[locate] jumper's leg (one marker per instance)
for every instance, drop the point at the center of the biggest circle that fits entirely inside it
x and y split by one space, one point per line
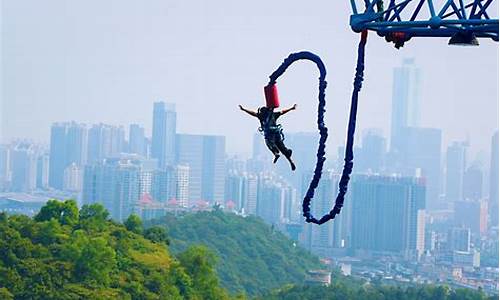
287 152
274 149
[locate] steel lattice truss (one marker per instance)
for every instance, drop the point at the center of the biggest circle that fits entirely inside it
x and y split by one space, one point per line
405 19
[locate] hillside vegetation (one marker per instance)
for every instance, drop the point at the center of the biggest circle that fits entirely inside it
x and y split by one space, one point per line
64 253
254 257
340 290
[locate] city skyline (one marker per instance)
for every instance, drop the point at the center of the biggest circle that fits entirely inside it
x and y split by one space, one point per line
74 145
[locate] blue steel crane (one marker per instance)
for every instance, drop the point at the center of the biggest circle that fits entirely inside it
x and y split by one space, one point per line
402 20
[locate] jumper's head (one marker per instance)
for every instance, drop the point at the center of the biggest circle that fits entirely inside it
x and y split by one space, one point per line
264 110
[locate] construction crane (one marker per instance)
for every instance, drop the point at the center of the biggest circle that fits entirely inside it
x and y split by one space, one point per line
402 20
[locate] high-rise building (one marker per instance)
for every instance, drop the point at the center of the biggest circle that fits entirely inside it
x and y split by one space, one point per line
114 183
259 147
290 205
236 165
76 149
105 141
137 140
23 162
235 188
472 214
182 184
68 144
251 193
58 160
385 214
163 188
164 133
373 152
321 238
421 155
473 183
405 101
42 171
204 155
145 181
270 200
493 205
304 145
459 239
455 169
73 178
420 243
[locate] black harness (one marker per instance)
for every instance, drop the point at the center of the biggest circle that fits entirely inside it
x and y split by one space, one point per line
271 129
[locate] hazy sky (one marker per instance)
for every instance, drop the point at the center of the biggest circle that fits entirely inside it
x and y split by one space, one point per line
108 61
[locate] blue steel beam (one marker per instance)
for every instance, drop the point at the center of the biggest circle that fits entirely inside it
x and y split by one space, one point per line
405 19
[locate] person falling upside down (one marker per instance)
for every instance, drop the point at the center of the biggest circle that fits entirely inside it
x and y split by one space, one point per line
273 134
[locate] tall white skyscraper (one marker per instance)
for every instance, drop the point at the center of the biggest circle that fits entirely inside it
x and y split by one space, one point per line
182 184
251 195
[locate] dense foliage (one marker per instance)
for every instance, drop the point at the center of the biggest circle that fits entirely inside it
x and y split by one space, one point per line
342 291
254 257
64 253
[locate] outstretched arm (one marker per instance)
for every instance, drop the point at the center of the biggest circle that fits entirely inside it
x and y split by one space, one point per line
294 107
248 111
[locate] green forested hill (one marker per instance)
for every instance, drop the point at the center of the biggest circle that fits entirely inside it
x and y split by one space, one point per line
64 253
253 257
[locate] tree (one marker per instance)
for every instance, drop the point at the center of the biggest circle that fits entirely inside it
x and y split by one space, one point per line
69 213
96 261
199 263
51 210
157 234
94 211
93 217
134 224
5 294
65 212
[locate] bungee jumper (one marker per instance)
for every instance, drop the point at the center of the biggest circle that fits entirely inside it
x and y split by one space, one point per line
273 132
